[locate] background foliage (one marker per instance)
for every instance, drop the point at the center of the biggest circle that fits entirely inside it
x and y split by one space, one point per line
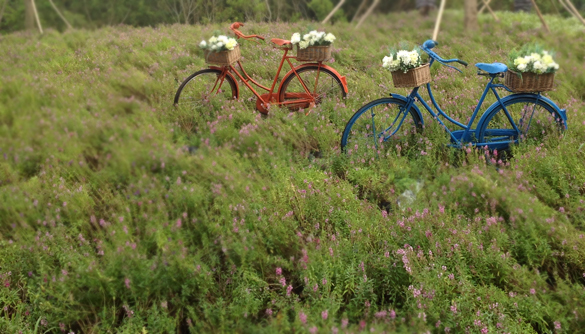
99 13
120 213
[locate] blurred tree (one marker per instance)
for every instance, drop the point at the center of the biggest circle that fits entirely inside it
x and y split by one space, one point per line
183 10
29 15
3 9
424 6
96 13
470 7
522 5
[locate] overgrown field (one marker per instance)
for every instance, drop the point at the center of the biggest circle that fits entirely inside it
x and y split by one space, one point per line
122 214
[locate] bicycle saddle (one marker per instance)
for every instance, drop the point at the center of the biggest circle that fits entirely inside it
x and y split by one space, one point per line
493 68
280 42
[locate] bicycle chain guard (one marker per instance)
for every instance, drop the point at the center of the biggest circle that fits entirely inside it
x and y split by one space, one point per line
263 107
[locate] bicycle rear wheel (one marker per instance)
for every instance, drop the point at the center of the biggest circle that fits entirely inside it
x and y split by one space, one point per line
206 87
327 87
524 119
368 132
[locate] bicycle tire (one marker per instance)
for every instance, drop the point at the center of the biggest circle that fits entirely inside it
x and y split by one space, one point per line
332 80
496 129
414 123
198 89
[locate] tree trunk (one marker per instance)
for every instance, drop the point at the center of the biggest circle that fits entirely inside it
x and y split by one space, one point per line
471 15
29 15
2 10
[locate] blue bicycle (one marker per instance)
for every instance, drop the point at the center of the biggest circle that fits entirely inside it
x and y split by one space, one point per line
509 120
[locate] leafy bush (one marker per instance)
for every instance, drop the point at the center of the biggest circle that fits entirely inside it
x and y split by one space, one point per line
122 213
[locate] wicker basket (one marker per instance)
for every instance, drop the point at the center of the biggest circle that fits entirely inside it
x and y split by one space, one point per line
413 78
314 53
529 82
224 58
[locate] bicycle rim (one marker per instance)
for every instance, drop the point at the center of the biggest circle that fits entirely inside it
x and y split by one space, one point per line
378 127
326 87
205 88
526 120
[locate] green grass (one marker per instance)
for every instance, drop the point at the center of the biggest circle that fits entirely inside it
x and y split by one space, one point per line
121 213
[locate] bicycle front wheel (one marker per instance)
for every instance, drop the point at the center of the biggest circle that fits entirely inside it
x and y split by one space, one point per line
321 83
370 130
206 87
524 119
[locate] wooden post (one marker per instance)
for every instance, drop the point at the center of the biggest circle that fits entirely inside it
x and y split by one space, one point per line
567 8
359 10
34 6
484 6
575 11
368 12
555 6
60 15
490 9
438 21
540 16
335 9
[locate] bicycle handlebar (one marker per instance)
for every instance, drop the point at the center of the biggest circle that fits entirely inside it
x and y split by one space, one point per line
429 44
464 63
236 25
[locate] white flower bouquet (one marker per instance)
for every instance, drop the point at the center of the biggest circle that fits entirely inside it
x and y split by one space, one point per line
532 59
221 50
531 69
313 38
219 43
313 46
402 60
408 68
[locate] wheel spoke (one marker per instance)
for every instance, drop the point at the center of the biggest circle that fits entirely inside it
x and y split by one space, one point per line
205 88
523 119
387 114
327 87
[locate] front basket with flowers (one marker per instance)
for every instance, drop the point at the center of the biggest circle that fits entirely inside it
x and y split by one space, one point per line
408 68
221 50
313 46
531 69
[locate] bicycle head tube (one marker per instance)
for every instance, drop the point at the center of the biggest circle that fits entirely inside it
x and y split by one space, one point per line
429 44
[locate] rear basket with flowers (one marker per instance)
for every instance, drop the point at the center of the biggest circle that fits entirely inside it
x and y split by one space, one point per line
221 50
314 46
531 69
407 68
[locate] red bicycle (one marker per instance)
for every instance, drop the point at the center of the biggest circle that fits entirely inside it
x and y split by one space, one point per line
315 82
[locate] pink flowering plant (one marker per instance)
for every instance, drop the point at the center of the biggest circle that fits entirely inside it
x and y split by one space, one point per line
122 213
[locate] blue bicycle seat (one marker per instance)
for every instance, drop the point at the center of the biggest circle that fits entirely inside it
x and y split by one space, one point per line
492 68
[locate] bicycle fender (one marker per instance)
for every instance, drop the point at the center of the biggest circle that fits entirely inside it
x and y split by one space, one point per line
412 107
231 76
544 99
339 76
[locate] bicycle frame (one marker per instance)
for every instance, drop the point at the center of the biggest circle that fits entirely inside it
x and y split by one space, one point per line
307 97
459 137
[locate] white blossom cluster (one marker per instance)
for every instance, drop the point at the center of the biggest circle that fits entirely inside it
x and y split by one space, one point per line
219 43
313 38
402 60
538 63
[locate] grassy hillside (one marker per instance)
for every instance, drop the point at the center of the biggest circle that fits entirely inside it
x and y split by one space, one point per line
120 213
